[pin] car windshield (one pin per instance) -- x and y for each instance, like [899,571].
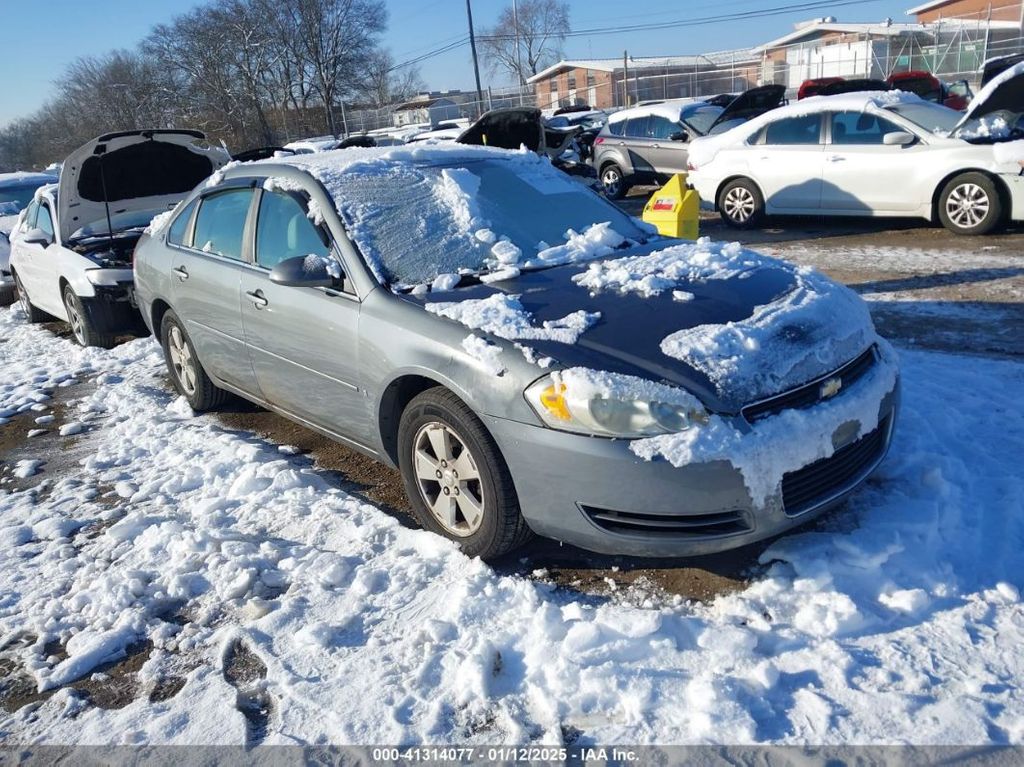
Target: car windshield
[14,198]
[701,119]
[934,118]
[416,222]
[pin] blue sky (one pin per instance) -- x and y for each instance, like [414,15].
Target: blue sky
[41,39]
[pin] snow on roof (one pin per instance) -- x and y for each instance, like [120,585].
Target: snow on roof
[670,110]
[883,30]
[20,177]
[716,58]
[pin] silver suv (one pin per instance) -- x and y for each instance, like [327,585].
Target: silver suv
[648,143]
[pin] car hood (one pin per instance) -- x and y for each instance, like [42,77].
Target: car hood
[629,337]
[133,171]
[1004,92]
[752,103]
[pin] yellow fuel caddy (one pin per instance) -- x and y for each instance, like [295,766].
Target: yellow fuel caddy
[674,209]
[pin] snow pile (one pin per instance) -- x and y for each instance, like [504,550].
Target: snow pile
[674,266]
[897,622]
[596,241]
[782,442]
[809,332]
[159,222]
[457,191]
[504,316]
[487,353]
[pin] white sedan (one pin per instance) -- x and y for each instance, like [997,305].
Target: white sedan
[873,154]
[71,251]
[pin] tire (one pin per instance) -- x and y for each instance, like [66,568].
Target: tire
[613,181]
[437,422]
[970,204]
[32,315]
[187,374]
[740,204]
[8,295]
[82,329]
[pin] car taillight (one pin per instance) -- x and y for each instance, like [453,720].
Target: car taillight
[598,140]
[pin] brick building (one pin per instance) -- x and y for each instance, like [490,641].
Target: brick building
[969,10]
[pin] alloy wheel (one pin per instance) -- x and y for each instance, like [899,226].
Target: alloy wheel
[611,179]
[26,305]
[448,479]
[967,205]
[75,319]
[182,360]
[739,204]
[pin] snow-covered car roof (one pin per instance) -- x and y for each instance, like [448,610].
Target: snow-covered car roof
[671,110]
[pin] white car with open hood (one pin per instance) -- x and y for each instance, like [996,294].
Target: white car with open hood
[16,192]
[873,154]
[71,252]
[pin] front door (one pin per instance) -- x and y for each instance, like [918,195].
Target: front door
[862,174]
[303,342]
[206,273]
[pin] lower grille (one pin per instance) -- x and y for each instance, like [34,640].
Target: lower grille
[817,482]
[674,525]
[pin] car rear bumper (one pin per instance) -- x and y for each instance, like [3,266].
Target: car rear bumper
[596,494]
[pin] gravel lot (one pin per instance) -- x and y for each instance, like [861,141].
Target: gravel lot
[927,289]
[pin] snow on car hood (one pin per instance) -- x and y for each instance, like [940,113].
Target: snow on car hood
[1005,92]
[135,172]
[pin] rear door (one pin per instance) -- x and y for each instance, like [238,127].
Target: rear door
[303,342]
[636,144]
[862,174]
[206,272]
[787,163]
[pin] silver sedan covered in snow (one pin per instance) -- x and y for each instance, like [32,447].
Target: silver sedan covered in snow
[532,358]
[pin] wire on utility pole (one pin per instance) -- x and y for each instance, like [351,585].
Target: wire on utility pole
[476,65]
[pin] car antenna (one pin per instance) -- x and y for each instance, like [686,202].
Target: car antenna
[101,152]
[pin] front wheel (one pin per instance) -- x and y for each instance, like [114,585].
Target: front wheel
[82,328]
[970,204]
[455,477]
[740,204]
[32,314]
[188,376]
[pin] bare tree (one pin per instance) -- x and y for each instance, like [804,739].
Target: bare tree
[384,84]
[542,27]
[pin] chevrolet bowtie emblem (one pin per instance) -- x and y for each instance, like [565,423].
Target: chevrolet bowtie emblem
[831,387]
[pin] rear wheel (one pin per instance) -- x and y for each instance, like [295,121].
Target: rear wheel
[455,477]
[188,376]
[740,204]
[614,182]
[32,314]
[970,204]
[82,328]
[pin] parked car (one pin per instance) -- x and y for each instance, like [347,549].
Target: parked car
[858,85]
[16,192]
[647,144]
[347,322]
[926,85]
[997,65]
[71,255]
[870,154]
[813,86]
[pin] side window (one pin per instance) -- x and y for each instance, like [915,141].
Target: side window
[29,221]
[616,128]
[636,127]
[220,223]
[794,130]
[45,221]
[283,230]
[662,127]
[176,234]
[850,128]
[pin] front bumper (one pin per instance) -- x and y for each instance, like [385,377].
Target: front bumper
[596,494]
[112,309]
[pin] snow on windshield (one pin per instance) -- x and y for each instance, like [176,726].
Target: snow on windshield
[420,212]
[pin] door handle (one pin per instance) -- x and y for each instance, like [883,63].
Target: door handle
[181,273]
[655,146]
[622,143]
[258,299]
[835,158]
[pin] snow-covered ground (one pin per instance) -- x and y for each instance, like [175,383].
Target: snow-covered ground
[900,621]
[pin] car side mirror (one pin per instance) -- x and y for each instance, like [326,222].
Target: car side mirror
[310,271]
[680,136]
[37,237]
[898,138]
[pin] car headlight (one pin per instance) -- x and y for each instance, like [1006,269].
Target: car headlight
[572,408]
[102,277]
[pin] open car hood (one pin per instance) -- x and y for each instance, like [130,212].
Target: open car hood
[751,103]
[1005,92]
[133,171]
[507,129]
